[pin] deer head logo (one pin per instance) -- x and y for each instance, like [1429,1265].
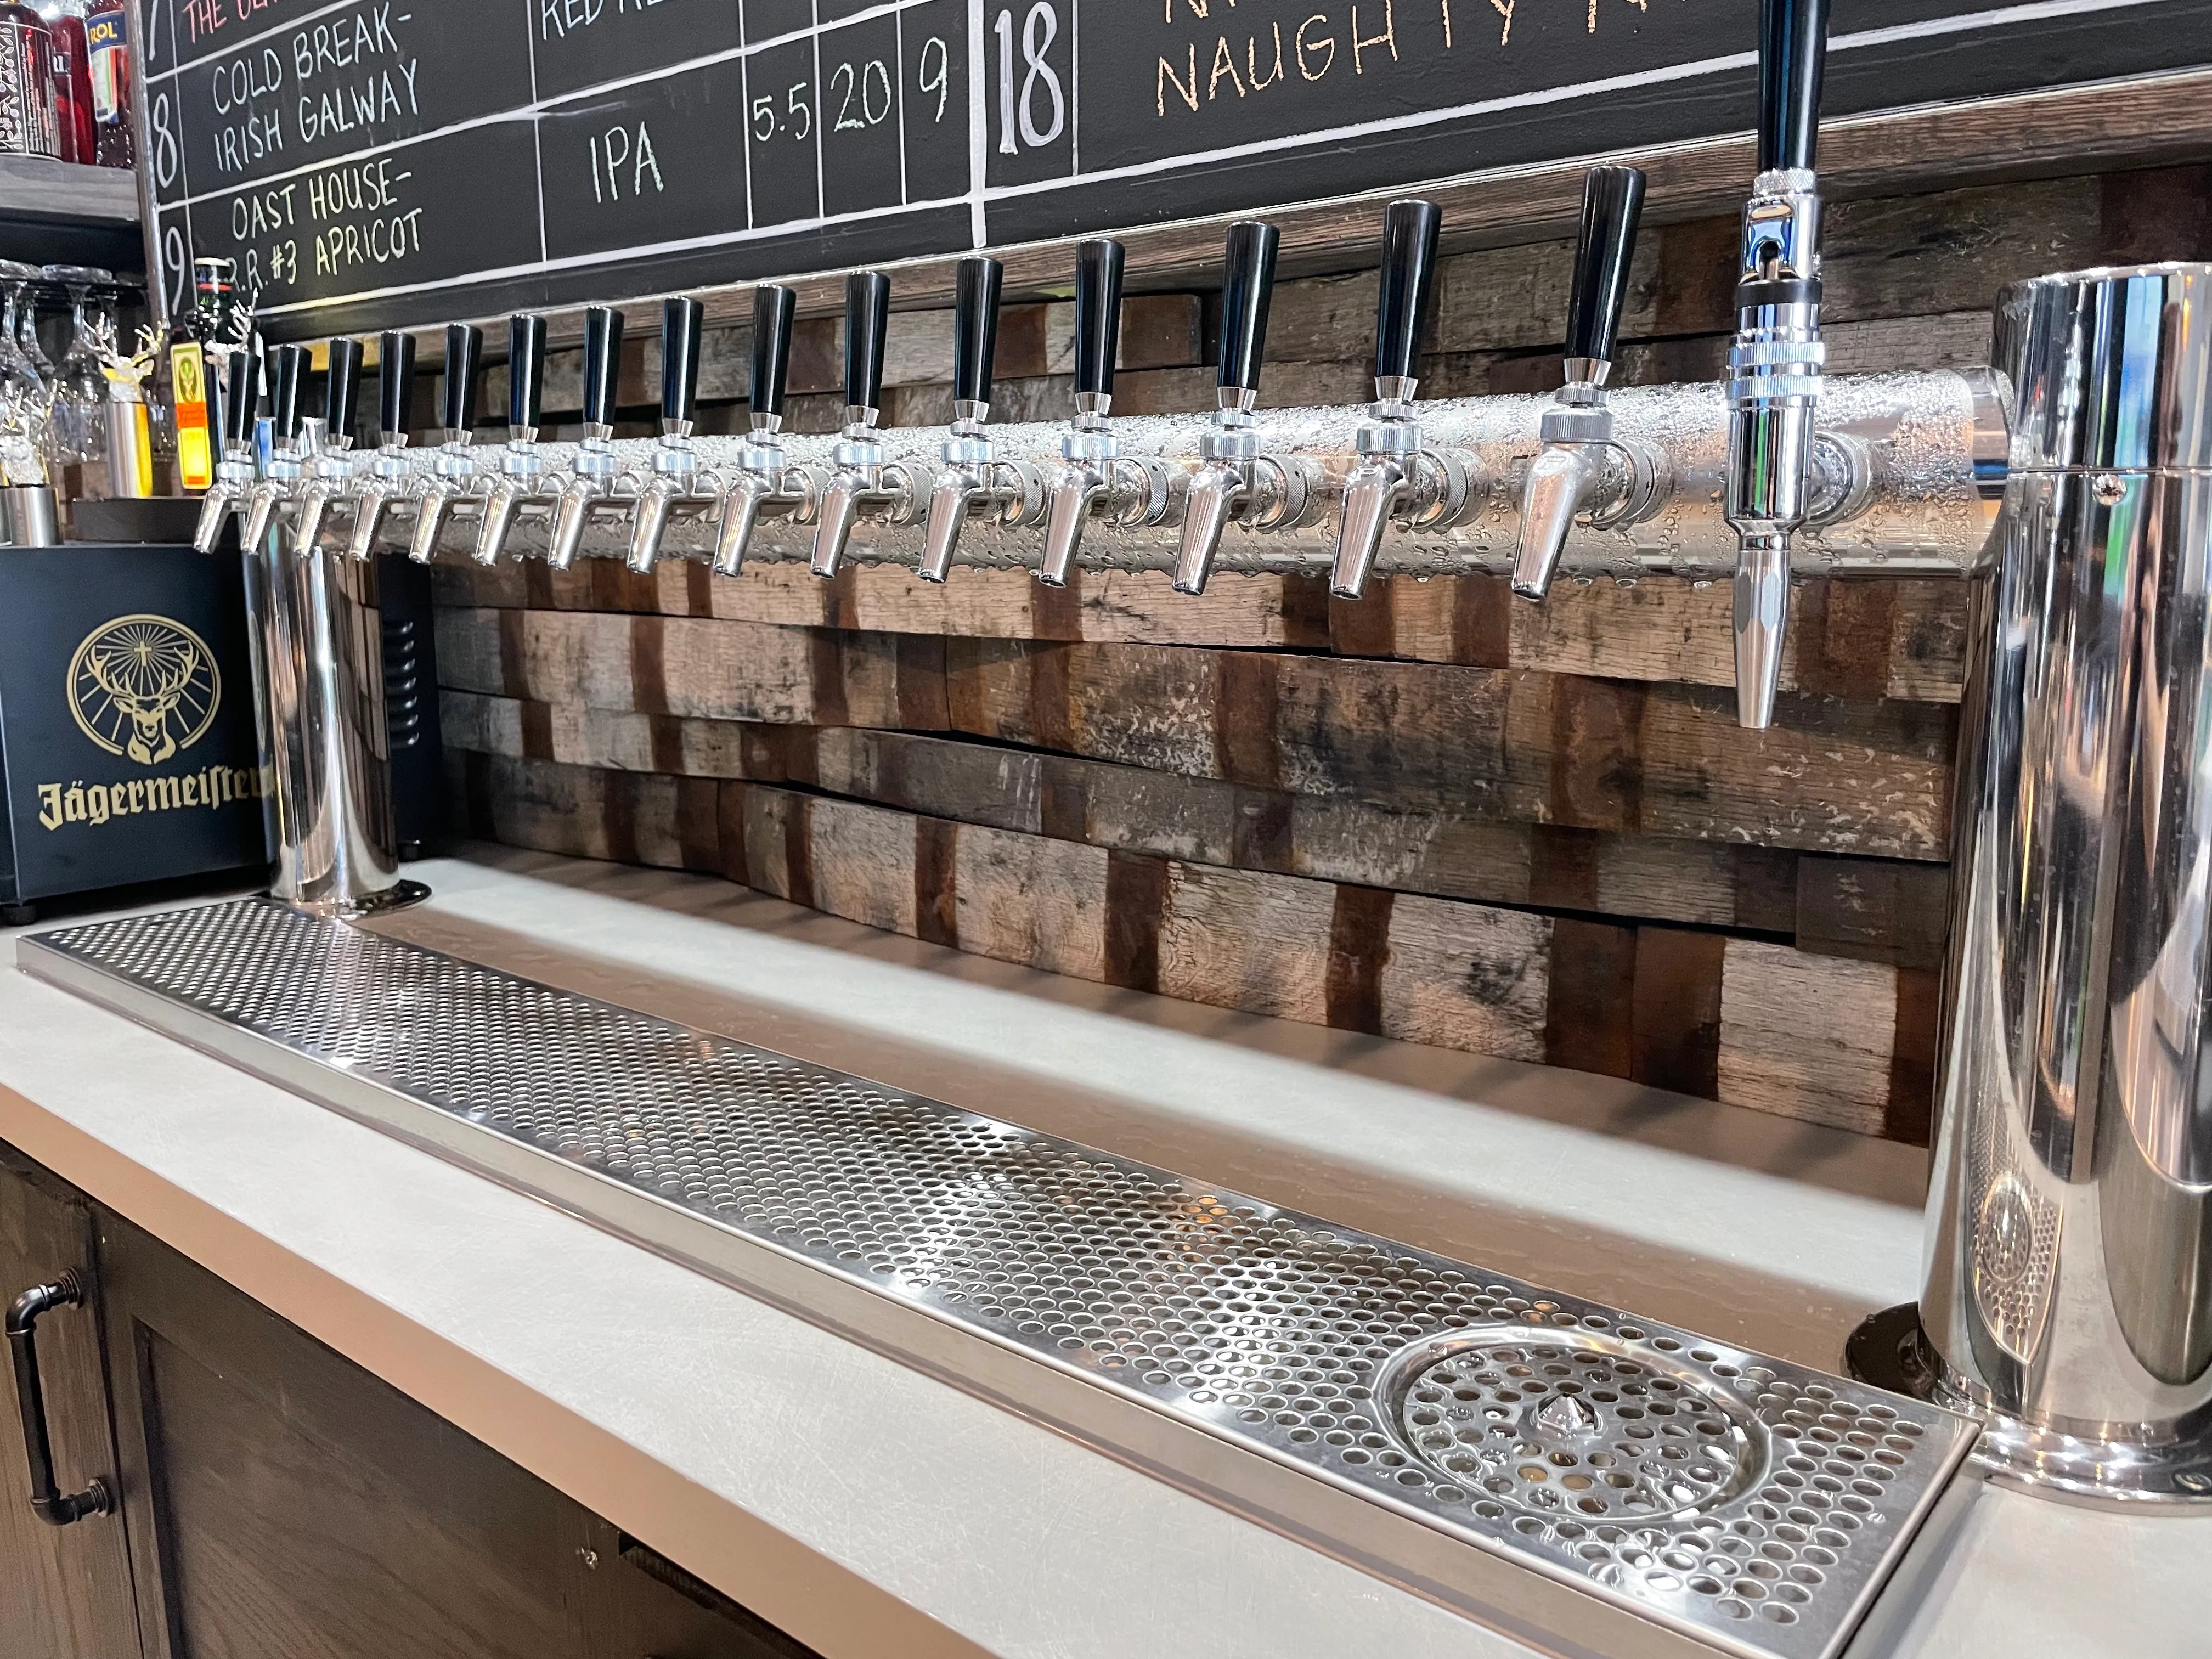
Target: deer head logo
[145,687]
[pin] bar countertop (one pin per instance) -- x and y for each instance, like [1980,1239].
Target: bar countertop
[868,1509]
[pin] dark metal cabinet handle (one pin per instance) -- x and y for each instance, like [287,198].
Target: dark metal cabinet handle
[47,1503]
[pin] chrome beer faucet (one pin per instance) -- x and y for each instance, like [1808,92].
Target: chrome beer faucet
[327,443]
[593,468]
[1095,480]
[1775,359]
[521,468]
[454,473]
[235,473]
[975,480]
[1390,476]
[766,482]
[288,458]
[863,480]
[676,480]
[1238,481]
[1583,466]
[388,477]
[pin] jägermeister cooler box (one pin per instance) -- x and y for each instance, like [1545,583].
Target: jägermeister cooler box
[126,719]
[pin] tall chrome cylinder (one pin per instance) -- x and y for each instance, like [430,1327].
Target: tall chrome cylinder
[319,660]
[2069,1271]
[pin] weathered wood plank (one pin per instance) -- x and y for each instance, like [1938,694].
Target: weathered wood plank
[863,863]
[1814,1038]
[1877,909]
[1810,1036]
[1868,778]
[707,669]
[1463,977]
[1027,899]
[1900,638]
[1533,748]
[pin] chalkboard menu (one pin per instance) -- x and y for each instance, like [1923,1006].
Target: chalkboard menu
[374,162]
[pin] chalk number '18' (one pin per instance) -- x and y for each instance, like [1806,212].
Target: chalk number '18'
[1018,109]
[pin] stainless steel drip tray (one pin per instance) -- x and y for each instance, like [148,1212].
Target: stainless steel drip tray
[1585,1480]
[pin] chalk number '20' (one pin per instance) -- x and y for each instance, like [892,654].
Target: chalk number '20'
[1017,111]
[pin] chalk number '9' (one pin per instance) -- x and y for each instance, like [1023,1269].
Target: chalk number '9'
[1017,111]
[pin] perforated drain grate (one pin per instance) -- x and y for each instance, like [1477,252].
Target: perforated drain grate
[1751,1504]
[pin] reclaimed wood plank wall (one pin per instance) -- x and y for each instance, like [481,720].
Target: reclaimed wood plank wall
[1437,814]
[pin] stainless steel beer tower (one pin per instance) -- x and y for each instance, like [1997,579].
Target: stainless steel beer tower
[318,642]
[2069,1267]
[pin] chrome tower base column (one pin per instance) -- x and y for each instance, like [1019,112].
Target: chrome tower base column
[319,667]
[2068,1269]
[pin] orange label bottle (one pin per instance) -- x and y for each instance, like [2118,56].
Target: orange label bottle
[195,451]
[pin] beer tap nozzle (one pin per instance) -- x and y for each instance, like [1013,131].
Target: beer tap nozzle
[1390,438]
[1570,474]
[1227,486]
[974,479]
[764,483]
[591,469]
[454,470]
[1776,359]
[388,475]
[521,468]
[675,467]
[287,463]
[330,470]
[1084,484]
[235,473]
[862,480]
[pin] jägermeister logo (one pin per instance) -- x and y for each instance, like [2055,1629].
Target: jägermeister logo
[144,687]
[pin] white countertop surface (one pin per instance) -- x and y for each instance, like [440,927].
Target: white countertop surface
[869,1510]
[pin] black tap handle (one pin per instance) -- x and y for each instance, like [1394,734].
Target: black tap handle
[867,321]
[395,381]
[285,410]
[525,369]
[1098,314]
[1409,270]
[1247,286]
[680,323]
[463,356]
[975,328]
[342,388]
[1793,49]
[1613,203]
[773,309]
[241,392]
[603,336]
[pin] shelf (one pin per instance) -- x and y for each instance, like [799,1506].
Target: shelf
[60,213]
[35,189]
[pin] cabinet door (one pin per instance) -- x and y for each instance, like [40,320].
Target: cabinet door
[65,1592]
[304,1508]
